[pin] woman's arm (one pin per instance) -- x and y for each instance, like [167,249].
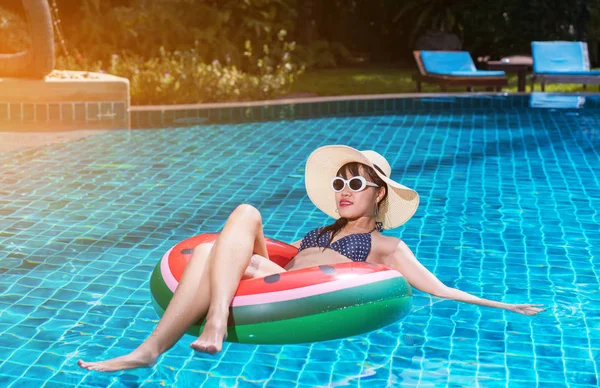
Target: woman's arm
[405,262]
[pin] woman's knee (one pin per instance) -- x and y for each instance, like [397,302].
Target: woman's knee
[260,266]
[247,213]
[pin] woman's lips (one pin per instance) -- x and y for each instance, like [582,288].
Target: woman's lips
[345,203]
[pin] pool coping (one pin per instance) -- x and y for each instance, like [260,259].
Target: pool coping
[165,116]
[183,115]
[302,100]
[284,101]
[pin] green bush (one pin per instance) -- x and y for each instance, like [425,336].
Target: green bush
[166,76]
[181,77]
[213,29]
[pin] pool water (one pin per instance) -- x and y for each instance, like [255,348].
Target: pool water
[509,211]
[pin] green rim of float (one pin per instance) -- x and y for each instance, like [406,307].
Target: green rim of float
[308,305]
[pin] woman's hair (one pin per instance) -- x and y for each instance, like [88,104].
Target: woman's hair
[352,169]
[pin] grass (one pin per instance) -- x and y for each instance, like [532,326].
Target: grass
[381,80]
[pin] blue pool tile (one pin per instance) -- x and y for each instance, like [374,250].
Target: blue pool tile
[549,364]
[522,373]
[276,383]
[508,212]
[314,378]
[550,384]
[583,378]
[186,378]
[548,351]
[12,369]
[56,384]
[576,353]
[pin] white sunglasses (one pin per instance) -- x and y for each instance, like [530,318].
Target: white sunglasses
[356,183]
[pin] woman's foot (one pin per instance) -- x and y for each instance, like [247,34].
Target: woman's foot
[135,359]
[212,337]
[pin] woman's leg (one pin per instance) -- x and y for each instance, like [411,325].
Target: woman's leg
[240,238]
[189,303]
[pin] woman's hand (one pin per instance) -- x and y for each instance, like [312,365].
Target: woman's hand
[526,309]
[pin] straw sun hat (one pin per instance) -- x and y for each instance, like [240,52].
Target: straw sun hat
[322,166]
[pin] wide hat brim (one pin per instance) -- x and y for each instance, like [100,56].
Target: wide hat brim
[322,166]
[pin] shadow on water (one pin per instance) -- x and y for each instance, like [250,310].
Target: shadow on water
[516,146]
[189,222]
[147,235]
[208,216]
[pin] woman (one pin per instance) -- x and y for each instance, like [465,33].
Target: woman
[350,185]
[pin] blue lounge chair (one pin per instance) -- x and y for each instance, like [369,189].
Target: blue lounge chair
[454,68]
[562,62]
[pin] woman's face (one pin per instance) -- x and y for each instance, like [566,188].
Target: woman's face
[352,205]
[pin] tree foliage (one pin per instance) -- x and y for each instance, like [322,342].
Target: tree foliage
[329,33]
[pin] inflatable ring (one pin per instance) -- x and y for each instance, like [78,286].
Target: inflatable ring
[307,305]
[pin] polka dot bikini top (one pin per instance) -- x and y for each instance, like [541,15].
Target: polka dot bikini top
[355,246]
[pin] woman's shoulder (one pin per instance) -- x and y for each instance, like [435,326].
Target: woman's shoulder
[384,245]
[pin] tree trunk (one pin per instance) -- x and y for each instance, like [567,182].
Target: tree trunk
[38,61]
[307,31]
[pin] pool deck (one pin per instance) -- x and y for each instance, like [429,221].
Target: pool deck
[63,106]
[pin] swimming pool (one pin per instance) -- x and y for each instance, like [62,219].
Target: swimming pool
[509,211]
